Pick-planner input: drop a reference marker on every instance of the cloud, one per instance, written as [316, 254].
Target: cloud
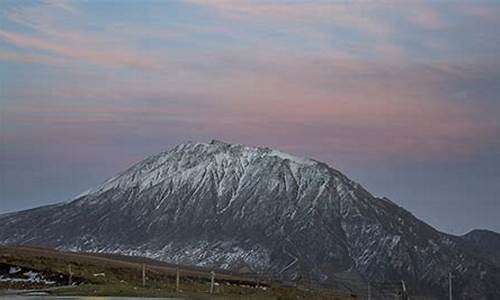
[100, 56]
[352, 15]
[425, 16]
[357, 109]
[65, 5]
[28, 58]
[54, 36]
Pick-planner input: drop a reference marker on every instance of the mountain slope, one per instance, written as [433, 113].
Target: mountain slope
[239, 207]
[486, 243]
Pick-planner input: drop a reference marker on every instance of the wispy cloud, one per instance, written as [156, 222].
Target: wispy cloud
[102, 56]
[53, 37]
[349, 15]
[28, 58]
[65, 5]
[425, 16]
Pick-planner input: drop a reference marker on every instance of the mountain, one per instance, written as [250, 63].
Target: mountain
[260, 210]
[484, 242]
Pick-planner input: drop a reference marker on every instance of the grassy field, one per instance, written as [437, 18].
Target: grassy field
[116, 275]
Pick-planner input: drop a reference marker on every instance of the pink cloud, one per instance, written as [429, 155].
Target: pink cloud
[426, 17]
[357, 109]
[28, 58]
[53, 35]
[349, 15]
[103, 56]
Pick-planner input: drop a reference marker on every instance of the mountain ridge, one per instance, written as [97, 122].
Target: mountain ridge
[241, 207]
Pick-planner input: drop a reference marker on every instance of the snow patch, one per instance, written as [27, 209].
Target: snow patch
[292, 158]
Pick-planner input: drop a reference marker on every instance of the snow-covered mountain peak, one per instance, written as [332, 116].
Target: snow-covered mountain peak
[217, 157]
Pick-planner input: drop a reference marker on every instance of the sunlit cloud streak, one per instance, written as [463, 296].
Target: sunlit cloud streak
[29, 58]
[113, 57]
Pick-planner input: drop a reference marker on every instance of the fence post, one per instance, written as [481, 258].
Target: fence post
[70, 277]
[177, 279]
[143, 275]
[212, 279]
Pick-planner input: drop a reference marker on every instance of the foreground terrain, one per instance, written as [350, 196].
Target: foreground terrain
[48, 271]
